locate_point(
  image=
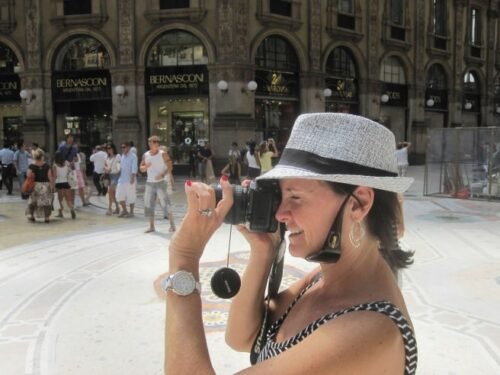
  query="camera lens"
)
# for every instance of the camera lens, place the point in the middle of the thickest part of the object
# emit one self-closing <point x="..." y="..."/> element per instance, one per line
<point x="238" y="212"/>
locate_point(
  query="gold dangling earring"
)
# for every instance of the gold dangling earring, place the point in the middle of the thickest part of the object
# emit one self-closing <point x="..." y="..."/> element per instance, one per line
<point x="356" y="238"/>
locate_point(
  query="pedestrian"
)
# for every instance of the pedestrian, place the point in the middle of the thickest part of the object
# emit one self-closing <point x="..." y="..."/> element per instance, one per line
<point x="338" y="182"/>
<point x="267" y="151"/>
<point x="112" y="173"/>
<point x="69" y="148"/>
<point x="232" y="170"/>
<point x="21" y="163"/>
<point x="126" y="188"/>
<point x="402" y="157"/>
<point x="133" y="149"/>
<point x="98" y="158"/>
<point x="169" y="179"/>
<point x="8" y="169"/>
<point x="205" y="167"/>
<point x="155" y="163"/>
<point x="79" y="176"/>
<point x="252" y="161"/>
<point x="193" y="158"/>
<point x="60" y="171"/>
<point x="234" y="151"/>
<point x="40" y="200"/>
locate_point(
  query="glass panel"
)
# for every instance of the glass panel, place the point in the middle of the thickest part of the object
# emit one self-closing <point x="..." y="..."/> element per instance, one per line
<point x="276" y="53"/>
<point x="82" y="53"/>
<point x="345" y="6"/>
<point x="72" y="7"/>
<point x="471" y="83"/>
<point x="177" y="48"/>
<point x="8" y="60"/>
<point x="174" y="4"/>
<point x="475" y="24"/>
<point x="440" y="18"/>
<point x="397" y="12"/>
<point x="345" y="21"/>
<point x="281" y="7"/>
<point x="392" y="71"/>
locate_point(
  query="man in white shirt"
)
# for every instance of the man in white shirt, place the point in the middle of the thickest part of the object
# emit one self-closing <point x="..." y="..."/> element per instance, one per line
<point x="98" y="158"/>
<point x="8" y="170"/>
<point x="126" y="188"/>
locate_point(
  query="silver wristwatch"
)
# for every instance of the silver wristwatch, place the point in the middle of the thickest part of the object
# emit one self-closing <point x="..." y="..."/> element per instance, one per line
<point x="182" y="283"/>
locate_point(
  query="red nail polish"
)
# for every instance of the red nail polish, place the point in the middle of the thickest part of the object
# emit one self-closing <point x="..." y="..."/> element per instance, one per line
<point x="189" y="183"/>
<point x="224" y="178"/>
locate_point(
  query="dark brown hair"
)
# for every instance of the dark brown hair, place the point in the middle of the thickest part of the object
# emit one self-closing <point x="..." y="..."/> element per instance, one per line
<point x="381" y="222"/>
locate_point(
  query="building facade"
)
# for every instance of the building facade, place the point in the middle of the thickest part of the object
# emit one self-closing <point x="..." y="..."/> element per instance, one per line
<point x="235" y="70"/>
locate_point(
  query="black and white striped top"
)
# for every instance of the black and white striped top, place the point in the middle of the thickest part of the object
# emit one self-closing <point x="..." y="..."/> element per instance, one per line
<point x="272" y="348"/>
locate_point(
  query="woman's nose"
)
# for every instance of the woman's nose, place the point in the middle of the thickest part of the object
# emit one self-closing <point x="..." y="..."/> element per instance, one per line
<point x="282" y="214"/>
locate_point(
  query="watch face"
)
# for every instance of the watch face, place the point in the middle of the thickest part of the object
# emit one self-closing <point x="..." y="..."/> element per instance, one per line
<point x="183" y="283"/>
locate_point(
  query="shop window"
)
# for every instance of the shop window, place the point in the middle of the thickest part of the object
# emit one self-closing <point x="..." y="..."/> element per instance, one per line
<point x="7" y="17"/>
<point x="82" y="52"/>
<point x="396" y="20"/>
<point x="472" y="92"/>
<point x="475" y="37"/>
<point x="436" y="78"/>
<point x="436" y="94"/>
<point x="174" y="4"/>
<point x="281" y="7"/>
<point x="177" y="48"/>
<point x="392" y="71"/>
<point x="73" y="7"/>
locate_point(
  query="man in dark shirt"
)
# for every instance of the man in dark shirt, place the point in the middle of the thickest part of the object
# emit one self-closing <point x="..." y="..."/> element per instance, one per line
<point x="69" y="149"/>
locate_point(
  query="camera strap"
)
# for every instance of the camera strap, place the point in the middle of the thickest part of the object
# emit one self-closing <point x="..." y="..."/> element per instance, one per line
<point x="273" y="287"/>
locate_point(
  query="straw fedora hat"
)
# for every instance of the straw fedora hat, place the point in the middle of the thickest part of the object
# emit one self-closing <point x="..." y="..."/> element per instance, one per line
<point x="342" y="148"/>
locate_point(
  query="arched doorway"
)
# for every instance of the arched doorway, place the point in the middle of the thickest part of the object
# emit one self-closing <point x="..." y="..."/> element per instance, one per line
<point x="176" y="86"/>
<point x="341" y="78"/>
<point x="81" y="89"/>
<point x="11" y="112"/>
<point x="277" y="97"/>
<point x="394" y="97"/>
<point x="436" y="97"/>
<point x="471" y="103"/>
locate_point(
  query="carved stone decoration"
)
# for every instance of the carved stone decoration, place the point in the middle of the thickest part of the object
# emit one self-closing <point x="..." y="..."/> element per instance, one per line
<point x="232" y="30"/>
<point x="126" y="31"/>
<point x="315" y="34"/>
<point x="32" y="33"/>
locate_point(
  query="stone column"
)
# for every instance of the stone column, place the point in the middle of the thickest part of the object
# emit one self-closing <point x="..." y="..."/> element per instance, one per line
<point x="489" y="104"/>
<point x="232" y="116"/>
<point x="455" y="104"/>
<point x="373" y="78"/>
<point x="313" y="83"/>
<point x="127" y="126"/>
<point x="35" y="126"/>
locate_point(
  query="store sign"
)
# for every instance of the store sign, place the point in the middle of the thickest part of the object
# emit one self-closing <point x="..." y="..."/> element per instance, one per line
<point x="275" y="83"/>
<point x="178" y="80"/>
<point x="9" y="87"/>
<point x="398" y="94"/>
<point x="343" y="89"/>
<point x="439" y="98"/>
<point x="81" y="85"/>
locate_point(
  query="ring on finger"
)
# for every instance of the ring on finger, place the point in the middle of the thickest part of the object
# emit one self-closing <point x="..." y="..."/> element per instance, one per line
<point x="207" y="212"/>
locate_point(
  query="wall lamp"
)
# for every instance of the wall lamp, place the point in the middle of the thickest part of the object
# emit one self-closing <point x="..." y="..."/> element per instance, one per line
<point x="251" y="87"/>
<point x="384" y="98"/>
<point x="468" y="105"/>
<point x="121" y="91"/>
<point x="27" y="95"/>
<point x="222" y="86"/>
<point x="326" y="94"/>
<point x="430" y="102"/>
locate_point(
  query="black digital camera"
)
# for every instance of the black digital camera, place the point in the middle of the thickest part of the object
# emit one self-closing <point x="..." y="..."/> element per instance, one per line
<point x="256" y="205"/>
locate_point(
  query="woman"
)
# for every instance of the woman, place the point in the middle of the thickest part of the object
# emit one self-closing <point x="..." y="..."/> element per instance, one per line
<point x="232" y="170"/>
<point x="112" y="170"/>
<point x="60" y="170"/>
<point x="267" y="151"/>
<point x="80" y="179"/>
<point x="41" y="198"/>
<point x="253" y="161"/>
<point x="339" y="184"/>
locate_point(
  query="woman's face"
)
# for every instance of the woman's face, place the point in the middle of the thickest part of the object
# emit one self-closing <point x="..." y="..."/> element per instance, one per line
<point x="308" y="208"/>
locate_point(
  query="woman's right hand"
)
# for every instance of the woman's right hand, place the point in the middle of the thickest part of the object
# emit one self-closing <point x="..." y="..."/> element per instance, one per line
<point x="263" y="244"/>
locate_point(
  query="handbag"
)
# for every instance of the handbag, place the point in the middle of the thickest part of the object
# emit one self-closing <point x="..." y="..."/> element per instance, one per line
<point x="73" y="184"/>
<point x="104" y="180"/>
<point x="28" y="184"/>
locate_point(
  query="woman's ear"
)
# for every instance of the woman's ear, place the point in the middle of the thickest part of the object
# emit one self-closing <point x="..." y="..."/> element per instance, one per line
<point x="362" y="202"/>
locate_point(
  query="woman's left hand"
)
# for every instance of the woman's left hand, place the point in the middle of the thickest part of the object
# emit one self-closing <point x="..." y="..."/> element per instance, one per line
<point x="202" y="219"/>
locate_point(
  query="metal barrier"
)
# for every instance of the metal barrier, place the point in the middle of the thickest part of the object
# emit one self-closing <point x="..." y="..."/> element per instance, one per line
<point x="463" y="163"/>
